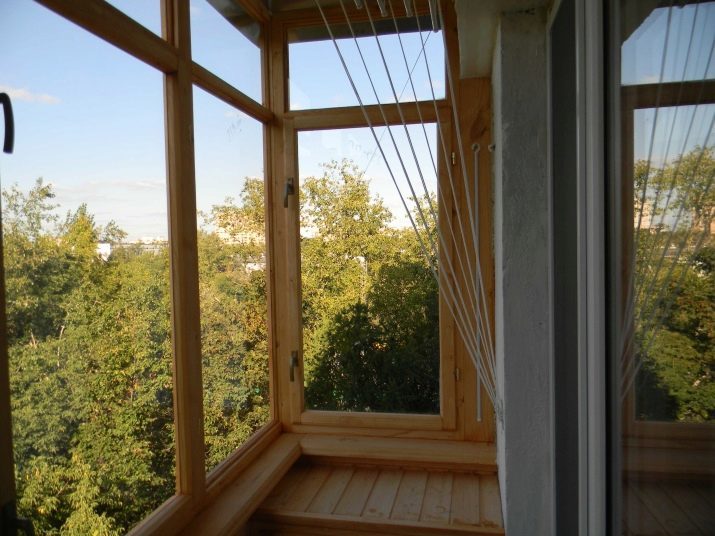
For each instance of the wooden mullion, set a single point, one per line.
(448, 365)
(281, 342)
(269, 214)
(255, 9)
(668, 94)
(334, 14)
(108, 23)
(186, 323)
(353, 116)
(221, 89)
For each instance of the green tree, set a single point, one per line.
(675, 289)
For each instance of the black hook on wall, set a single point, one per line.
(9, 123)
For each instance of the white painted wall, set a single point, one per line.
(522, 262)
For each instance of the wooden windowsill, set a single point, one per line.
(230, 507)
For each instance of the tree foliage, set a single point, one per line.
(90, 340)
(675, 288)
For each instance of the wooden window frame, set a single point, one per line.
(458, 407)
(639, 433)
(171, 55)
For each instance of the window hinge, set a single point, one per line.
(457, 374)
(454, 158)
(289, 190)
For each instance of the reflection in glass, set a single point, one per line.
(226, 41)
(324, 84)
(667, 334)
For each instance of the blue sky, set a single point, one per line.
(89, 118)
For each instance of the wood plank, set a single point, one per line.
(284, 330)
(168, 519)
(477, 457)
(335, 15)
(255, 9)
(661, 462)
(230, 468)
(309, 487)
(695, 507)
(637, 518)
(357, 492)
(388, 432)
(668, 514)
(668, 94)
(280, 495)
(408, 503)
(372, 420)
(465, 500)
(183, 256)
(331, 525)
(353, 116)
(475, 115)
(330, 492)
(236, 504)
(437, 503)
(107, 22)
(490, 514)
(382, 497)
(221, 89)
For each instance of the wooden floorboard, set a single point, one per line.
(322, 498)
(382, 496)
(667, 507)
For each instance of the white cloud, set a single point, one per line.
(26, 95)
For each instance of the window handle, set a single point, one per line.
(9, 123)
(293, 364)
(290, 190)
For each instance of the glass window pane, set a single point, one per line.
(370, 301)
(318, 78)
(145, 12)
(667, 336)
(226, 41)
(669, 45)
(232, 274)
(87, 273)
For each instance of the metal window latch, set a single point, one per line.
(290, 190)
(9, 123)
(293, 364)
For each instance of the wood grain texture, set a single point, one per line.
(183, 255)
(408, 503)
(465, 500)
(331, 491)
(437, 502)
(352, 502)
(476, 457)
(234, 506)
(667, 507)
(382, 496)
(107, 22)
(364, 499)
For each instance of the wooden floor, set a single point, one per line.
(316, 498)
(663, 508)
